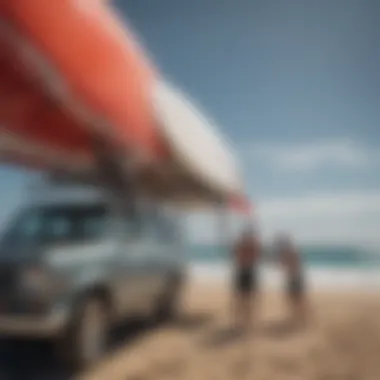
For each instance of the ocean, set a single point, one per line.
(327, 267)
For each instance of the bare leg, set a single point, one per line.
(238, 310)
(241, 310)
(249, 310)
(235, 308)
(246, 311)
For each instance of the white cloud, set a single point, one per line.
(325, 218)
(331, 218)
(348, 204)
(343, 153)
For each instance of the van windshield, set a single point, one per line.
(57, 224)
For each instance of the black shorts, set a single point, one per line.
(245, 281)
(296, 287)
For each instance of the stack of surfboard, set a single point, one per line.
(71, 75)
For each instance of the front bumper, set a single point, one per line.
(33, 326)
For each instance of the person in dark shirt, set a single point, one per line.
(246, 256)
(291, 262)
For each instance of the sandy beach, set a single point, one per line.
(344, 343)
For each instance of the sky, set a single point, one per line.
(295, 86)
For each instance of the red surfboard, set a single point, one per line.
(71, 70)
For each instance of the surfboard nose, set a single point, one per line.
(101, 64)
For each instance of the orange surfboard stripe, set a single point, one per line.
(100, 63)
(99, 59)
(25, 110)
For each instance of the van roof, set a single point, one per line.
(54, 191)
(81, 195)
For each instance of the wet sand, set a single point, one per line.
(344, 343)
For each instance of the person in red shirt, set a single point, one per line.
(291, 262)
(246, 253)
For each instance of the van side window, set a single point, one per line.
(129, 224)
(60, 227)
(57, 224)
(94, 225)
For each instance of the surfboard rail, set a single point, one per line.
(71, 73)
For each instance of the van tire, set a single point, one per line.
(85, 340)
(168, 304)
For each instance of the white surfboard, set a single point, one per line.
(194, 140)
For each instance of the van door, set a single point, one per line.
(130, 263)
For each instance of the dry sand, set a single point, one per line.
(343, 344)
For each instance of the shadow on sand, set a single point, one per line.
(193, 322)
(280, 329)
(30, 360)
(224, 336)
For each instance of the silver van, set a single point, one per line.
(75, 261)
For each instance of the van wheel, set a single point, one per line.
(86, 339)
(168, 305)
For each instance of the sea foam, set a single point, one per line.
(273, 278)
